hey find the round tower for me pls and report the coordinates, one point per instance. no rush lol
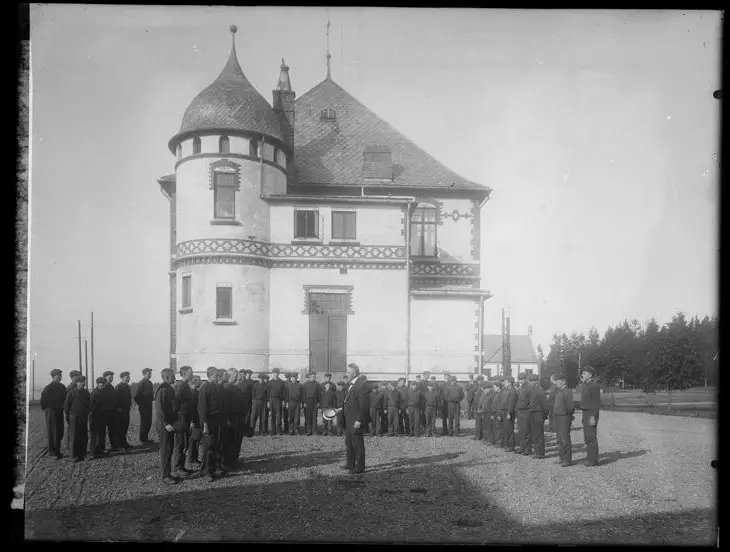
(231, 153)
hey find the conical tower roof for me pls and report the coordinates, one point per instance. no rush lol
(230, 103)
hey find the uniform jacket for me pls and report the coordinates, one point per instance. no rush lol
(77, 403)
(432, 398)
(311, 390)
(393, 399)
(260, 391)
(277, 389)
(144, 396)
(551, 392)
(70, 386)
(340, 397)
(413, 398)
(165, 404)
(510, 401)
(295, 392)
(327, 399)
(247, 388)
(590, 397)
(523, 396)
(470, 390)
(124, 396)
(453, 393)
(53, 396)
(184, 401)
(563, 405)
(403, 392)
(108, 398)
(537, 398)
(196, 396)
(478, 394)
(95, 407)
(376, 400)
(357, 404)
(209, 404)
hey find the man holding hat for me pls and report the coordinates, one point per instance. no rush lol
(538, 409)
(52, 402)
(590, 404)
(356, 410)
(311, 391)
(562, 413)
(144, 397)
(524, 434)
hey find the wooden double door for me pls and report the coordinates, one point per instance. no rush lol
(328, 333)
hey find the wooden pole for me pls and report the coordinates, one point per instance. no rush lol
(91, 384)
(32, 378)
(81, 366)
(86, 354)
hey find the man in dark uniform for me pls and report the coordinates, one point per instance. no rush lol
(376, 406)
(476, 411)
(73, 374)
(285, 403)
(339, 403)
(413, 406)
(485, 405)
(238, 418)
(294, 399)
(470, 390)
(562, 413)
(195, 432)
(260, 394)
(311, 392)
(538, 409)
(247, 390)
(53, 397)
(552, 391)
(166, 408)
(356, 406)
(524, 433)
(108, 400)
(209, 415)
(423, 387)
(508, 406)
(184, 406)
(392, 404)
(97, 422)
(403, 426)
(144, 397)
(327, 400)
(431, 400)
(454, 395)
(277, 392)
(590, 404)
(123, 405)
(76, 407)
(498, 415)
(444, 404)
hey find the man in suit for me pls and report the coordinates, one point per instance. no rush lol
(123, 395)
(356, 407)
(195, 432)
(524, 435)
(590, 404)
(52, 402)
(403, 426)
(311, 392)
(167, 412)
(184, 403)
(109, 401)
(294, 399)
(277, 394)
(444, 404)
(144, 397)
(508, 407)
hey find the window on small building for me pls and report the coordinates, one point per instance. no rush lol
(224, 145)
(179, 152)
(223, 301)
(196, 145)
(306, 223)
(343, 225)
(224, 195)
(186, 289)
(423, 232)
(253, 148)
(328, 115)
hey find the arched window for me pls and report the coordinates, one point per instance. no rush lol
(253, 148)
(224, 145)
(196, 145)
(179, 152)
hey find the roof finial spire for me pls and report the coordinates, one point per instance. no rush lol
(329, 56)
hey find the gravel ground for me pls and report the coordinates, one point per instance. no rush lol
(655, 486)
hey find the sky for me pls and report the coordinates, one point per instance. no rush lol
(596, 130)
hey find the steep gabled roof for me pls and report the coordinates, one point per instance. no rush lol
(521, 349)
(330, 152)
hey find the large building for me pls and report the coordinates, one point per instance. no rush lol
(310, 233)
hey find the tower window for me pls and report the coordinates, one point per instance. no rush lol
(253, 148)
(186, 288)
(224, 301)
(343, 225)
(423, 232)
(224, 145)
(179, 152)
(306, 224)
(224, 195)
(328, 115)
(196, 145)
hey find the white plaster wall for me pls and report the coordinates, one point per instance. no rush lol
(442, 335)
(454, 238)
(375, 224)
(376, 332)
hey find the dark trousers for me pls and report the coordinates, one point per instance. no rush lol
(167, 442)
(478, 425)
(247, 403)
(97, 433)
(275, 409)
(403, 425)
(293, 412)
(285, 416)
(551, 419)
(225, 437)
(508, 428)
(310, 416)
(590, 437)
(562, 433)
(210, 445)
(121, 423)
(469, 413)
(54, 430)
(423, 418)
(355, 447)
(110, 420)
(258, 415)
(193, 449)
(524, 431)
(498, 433)
(431, 412)
(78, 436)
(235, 439)
(444, 417)
(488, 427)
(179, 446)
(265, 424)
(414, 420)
(392, 420)
(145, 422)
(375, 422)
(340, 423)
(454, 417)
(537, 432)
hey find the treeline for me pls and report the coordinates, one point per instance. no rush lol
(677, 355)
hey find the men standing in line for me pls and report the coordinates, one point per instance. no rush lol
(444, 404)
(454, 395)
(497, 409)
(478, 417)
(76, 407)
(562, 413)
(294, 399)
(260, 394)
(52, 401)
(590, 404)
(73, 374)
(356, 406)
(423, 387)
(210, 415)
(375, 406)
(327, 400)
(165, 405)
(431, 400)
(485, 404)
(285, 403)
(123, 404)
(538, 409)
(552, 391)
(238, 418)
(392, 404)
(184, 405)
(277, 393)
(144, 397)
(413, 406)
(524, 429)
(97, 420)
(311, 392)
(403, 426)
(508, 406)
(109, 400)
(195, 433)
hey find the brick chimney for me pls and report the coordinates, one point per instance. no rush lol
(284, 98)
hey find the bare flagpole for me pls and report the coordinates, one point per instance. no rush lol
(81, 365)
(92, 348)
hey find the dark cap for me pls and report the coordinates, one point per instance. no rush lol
(73, 373)
(433, 378)
(560, 377)
(486, 384)
(100, 380)
(146, 370)
(243, 371)
(56, 372)
(260, 375)
(328, 375)
(342, 383)
(412, 382)
(418, 376)
(275, 370)
(374, 385)
(590, 369)
(80, 378)
(107, 373)
(123, 374)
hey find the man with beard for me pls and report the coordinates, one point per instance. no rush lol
(165, 406)
(184, 405)
(311, 391)
(123, 405)
(356, 406)
(52, 401)
(144, 397)
(210, 415)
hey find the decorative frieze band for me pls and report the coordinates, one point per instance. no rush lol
(417, 282)
(451, 269)
(268, 263)
(273, 250)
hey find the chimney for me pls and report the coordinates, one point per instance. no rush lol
(284, 106)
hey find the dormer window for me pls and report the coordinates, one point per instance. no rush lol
(224, 145)
(196, 145)
(328, 115)
(253, 148)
